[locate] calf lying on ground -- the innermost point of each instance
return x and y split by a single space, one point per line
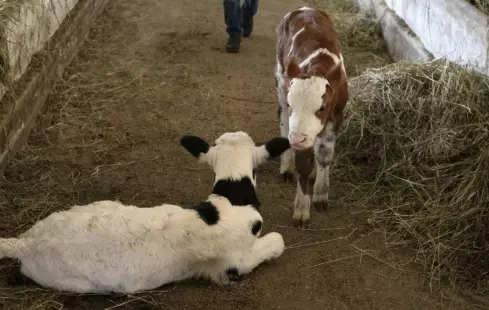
312 93
235 158
109 247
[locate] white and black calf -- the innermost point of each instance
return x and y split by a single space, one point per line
108 247
234 158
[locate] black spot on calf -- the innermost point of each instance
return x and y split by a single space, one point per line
256 227
276 146
238 192
208 213
195 145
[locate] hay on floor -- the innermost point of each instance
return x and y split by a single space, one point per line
416 140
361 38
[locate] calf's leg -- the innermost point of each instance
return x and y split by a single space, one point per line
324 152
304 162
266 248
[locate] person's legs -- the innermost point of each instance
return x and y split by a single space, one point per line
233 18
250 7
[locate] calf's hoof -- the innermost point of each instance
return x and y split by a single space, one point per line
301 223
287 177
320 206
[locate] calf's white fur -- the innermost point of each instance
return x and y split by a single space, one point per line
108 247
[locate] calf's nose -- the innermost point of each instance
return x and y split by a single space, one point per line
297 139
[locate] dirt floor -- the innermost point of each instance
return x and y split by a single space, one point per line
150 72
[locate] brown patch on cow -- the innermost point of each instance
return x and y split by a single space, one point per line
304 163
339 98
318 33
324 113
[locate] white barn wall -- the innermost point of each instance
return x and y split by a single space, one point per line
55 28
454 30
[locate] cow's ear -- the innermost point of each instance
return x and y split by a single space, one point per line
293 69
335 74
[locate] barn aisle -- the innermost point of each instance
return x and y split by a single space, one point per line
150 72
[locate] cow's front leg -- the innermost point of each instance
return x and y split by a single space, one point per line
304 161
287 158
324 152
321 188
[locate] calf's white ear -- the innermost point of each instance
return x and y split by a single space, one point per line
196 146
271 149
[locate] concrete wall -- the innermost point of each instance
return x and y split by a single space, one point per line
49 31
402 42
26 26
451 29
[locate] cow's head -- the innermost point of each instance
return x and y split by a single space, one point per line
311 101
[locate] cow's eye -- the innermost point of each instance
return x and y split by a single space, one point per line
321 109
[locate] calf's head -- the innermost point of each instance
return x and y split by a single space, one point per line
235 158
234 155
311 101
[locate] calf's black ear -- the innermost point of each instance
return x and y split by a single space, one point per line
195 145
271 149
276 146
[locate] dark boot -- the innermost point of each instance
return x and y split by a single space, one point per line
247 23
234 43
232 17
249 10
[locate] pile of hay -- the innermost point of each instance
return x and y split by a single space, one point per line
360 36
417 140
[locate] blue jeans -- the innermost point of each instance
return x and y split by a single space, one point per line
235 14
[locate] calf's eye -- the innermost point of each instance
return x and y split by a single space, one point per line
321 109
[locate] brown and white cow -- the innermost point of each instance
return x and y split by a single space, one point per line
312 93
